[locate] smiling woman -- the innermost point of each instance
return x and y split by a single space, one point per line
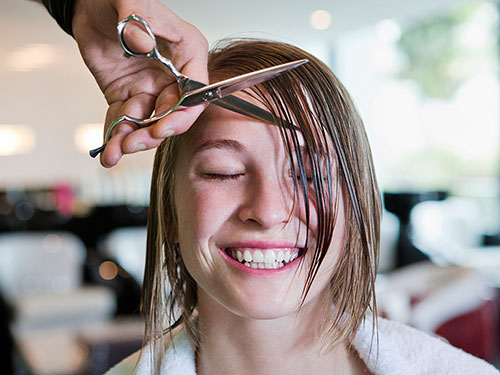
251 216
263 240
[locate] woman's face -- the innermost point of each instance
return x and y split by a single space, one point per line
240 233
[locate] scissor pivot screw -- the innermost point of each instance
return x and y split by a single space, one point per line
208 96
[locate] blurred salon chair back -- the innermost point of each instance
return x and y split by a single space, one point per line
127 246
42 262
389 234
460 304
41 276
444 230
453 302
41 280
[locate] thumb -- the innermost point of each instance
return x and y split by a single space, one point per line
164 23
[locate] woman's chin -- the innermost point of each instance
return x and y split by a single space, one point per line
264 308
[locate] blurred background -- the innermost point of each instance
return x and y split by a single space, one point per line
425 77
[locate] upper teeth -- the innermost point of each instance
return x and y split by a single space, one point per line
268 258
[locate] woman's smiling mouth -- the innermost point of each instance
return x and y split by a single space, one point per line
263 258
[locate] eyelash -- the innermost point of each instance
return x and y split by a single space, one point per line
309 179
222 177
225 177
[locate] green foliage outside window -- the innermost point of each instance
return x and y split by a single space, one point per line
440 53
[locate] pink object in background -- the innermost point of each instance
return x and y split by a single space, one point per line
64 198
475 331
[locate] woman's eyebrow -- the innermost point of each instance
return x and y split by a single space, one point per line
221 144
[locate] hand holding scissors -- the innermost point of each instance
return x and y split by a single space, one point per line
196 93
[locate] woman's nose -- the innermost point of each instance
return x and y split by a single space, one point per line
266 204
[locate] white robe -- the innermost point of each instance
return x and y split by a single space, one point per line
400 350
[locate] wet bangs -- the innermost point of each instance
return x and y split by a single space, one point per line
329 159
293 100
338 155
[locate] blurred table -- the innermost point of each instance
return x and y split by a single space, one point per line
92 349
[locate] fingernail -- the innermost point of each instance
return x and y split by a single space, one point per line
167 133
138 147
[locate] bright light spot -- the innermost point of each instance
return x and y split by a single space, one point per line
108 270
88 136
320 19
31 57
52 243
388 31
16 139
385 58
487 14
474 35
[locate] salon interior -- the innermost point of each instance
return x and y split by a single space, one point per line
425 78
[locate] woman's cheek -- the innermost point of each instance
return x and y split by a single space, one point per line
204 209
313 212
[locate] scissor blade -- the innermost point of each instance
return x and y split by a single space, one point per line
235 104
224 88
254 78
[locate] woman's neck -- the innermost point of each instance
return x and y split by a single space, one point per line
231 344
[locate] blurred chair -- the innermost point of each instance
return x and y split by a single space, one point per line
127 246
458 303
389 233
453 302
41 278
446 229
451 232
40 262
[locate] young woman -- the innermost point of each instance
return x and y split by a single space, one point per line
263 239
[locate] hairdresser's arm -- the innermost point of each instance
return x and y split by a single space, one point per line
138 86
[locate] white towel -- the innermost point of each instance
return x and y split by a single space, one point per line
405 350
400 350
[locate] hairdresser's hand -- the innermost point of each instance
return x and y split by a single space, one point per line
136 86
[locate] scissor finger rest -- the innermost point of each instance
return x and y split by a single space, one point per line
139 122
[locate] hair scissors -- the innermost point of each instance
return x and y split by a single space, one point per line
194 92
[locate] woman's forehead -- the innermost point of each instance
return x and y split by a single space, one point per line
216 122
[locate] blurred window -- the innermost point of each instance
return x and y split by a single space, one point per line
428 92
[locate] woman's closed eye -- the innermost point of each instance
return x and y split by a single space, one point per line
219 169
222 176
308 176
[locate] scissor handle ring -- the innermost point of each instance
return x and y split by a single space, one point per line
154 53
121 28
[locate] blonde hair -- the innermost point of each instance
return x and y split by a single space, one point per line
312 98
